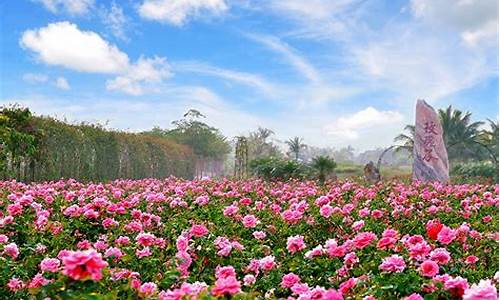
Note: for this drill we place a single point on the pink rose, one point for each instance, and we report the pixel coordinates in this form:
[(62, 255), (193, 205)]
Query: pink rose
[(249, 221), (249, 279), (363, 239), (223, 272), (260, 235), (198, 230), (11, 250), (414, 296), (482, 291), (81, 265), (226, 286), (289, 280), (148, 288), (267, 263), (429, 268), (471, 259), (446, 235), (50, 265), (295, 243), (326, 211), (393, 263), (440, 255)]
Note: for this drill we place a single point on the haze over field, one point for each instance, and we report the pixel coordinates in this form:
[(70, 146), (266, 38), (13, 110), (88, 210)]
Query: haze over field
[(336, 73)]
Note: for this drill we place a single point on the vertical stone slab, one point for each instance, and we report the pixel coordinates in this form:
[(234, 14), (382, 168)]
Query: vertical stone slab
[(430, 158)]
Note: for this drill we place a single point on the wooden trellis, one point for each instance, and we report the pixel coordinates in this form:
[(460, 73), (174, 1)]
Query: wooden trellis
[(241, 158)]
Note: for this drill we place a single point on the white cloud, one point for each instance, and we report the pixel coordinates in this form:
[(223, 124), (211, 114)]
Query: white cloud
[(135, 80), (61, 83), (35, 78), (177, 12), (475, 20), (418, 66), (349, 127), (115, 20), (72, 7), (63, 44)]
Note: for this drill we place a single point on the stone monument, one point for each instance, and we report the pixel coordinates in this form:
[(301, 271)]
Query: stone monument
[(430, 159), (372, 174)]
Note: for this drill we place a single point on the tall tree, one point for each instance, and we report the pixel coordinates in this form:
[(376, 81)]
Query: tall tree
[(488, 138), (295, 145), (259, 145), (208, 143), (459, 133)]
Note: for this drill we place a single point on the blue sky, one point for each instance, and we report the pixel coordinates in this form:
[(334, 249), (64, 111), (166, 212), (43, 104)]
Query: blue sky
[(337, 73)]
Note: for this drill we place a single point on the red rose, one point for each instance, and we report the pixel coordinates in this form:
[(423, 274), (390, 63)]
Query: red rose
[(433, 229)]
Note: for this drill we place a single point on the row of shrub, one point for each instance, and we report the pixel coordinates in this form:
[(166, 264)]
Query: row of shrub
[(89, 152), (483, 171), (272, 168)]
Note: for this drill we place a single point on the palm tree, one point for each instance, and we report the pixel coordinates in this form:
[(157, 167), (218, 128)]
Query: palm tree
[(406, 139), (323, 165), (488, 139), (264, 133), (459, 133), (295, 145)]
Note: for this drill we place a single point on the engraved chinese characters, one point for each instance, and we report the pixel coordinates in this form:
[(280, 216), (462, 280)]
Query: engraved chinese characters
[(430, 159)]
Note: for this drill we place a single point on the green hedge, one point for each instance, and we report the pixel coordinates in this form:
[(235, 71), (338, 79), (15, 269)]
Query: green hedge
[(472, 172), (89, 152)]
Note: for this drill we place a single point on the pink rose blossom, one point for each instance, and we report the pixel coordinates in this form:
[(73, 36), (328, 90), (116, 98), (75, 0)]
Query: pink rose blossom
[(393, 263), (446, 235), (249, 221), (429, 268), (148, 288), (226, 286), (80, 265), (289, 280), (50, 265), (295, 243), (482, 291)]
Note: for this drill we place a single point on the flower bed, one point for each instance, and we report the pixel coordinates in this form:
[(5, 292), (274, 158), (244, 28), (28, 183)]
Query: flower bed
[(248, 239)]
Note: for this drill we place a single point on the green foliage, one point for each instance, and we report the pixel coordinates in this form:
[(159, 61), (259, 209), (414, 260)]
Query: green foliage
[(271, 168), (323, 165), (208, 144), (460, 134), (474, 172), (204, 140), (40, 148), (18, 139)]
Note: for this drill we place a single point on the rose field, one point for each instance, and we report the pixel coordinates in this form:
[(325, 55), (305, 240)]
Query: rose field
[(177, 239)]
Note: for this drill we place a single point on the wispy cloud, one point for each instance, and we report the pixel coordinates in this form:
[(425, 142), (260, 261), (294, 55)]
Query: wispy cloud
[(62, 83), (178, 12), (72, 7), (249, 79), (35, 78), (115, 20), (297, 61)]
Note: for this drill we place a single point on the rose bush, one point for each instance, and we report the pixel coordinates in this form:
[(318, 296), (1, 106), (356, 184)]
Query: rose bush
[(175, 239)]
